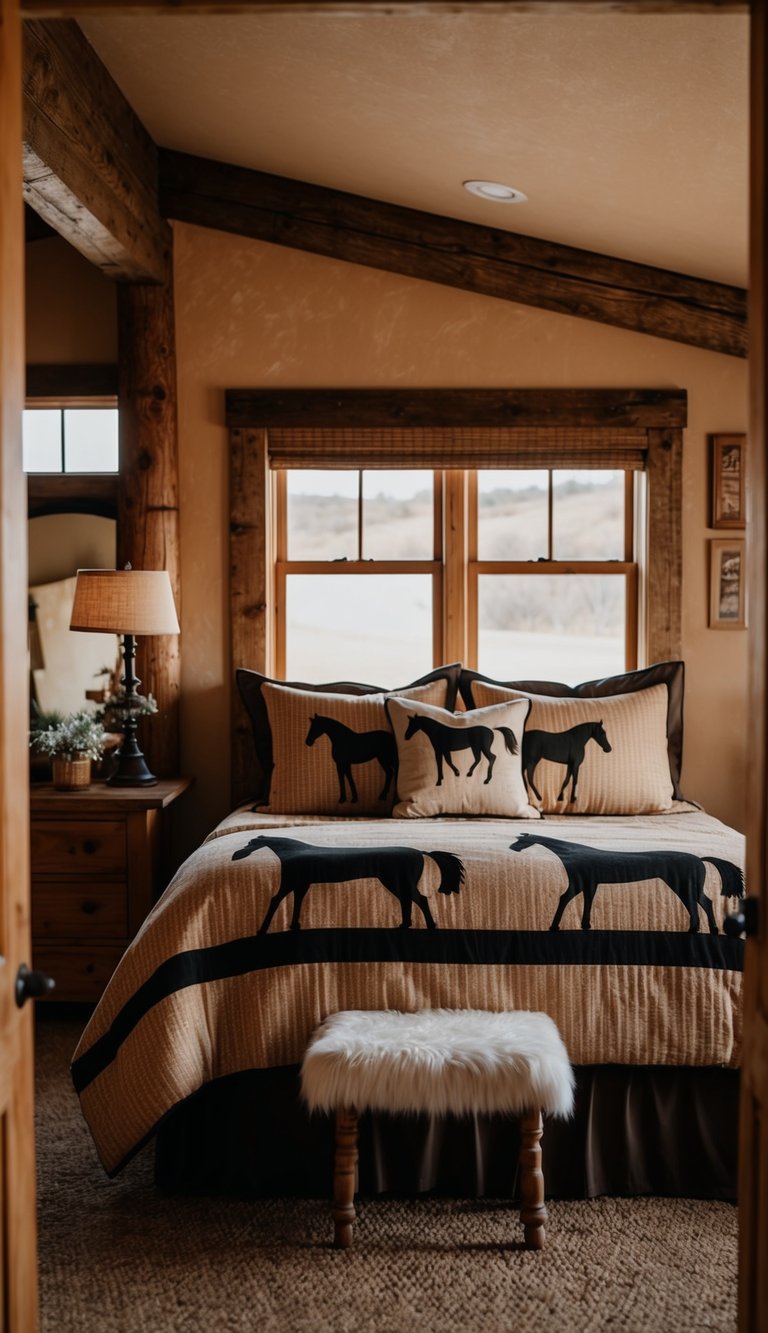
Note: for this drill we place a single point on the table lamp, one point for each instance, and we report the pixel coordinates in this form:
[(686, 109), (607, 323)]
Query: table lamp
[(127, 602)]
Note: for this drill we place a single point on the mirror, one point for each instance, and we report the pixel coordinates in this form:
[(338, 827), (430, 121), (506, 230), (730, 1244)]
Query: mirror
[(65, 665)]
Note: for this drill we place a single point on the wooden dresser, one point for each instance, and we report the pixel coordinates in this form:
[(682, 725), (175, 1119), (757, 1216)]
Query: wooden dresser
[(99, 862)]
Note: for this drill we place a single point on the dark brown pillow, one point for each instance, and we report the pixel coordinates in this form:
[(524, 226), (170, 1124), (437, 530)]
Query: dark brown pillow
[(250, 685), (671, 674)]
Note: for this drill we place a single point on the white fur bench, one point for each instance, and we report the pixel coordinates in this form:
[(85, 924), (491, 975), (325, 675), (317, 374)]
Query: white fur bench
[(439, 1061)]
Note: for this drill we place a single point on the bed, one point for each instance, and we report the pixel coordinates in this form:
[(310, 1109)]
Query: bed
[(466, 870)]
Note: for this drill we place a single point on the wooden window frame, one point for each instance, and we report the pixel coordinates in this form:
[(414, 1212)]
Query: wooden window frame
[(460, 426)]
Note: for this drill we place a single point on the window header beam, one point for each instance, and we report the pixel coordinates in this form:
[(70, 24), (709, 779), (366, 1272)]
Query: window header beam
[(620, 409)]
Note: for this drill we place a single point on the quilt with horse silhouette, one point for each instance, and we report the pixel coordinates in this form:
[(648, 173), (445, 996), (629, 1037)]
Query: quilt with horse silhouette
[(613, 926)]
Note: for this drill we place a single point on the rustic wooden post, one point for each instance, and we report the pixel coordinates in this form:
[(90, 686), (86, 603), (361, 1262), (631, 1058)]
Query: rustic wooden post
[(664, 545), (533, 1212), (148, 527), (250, 570)]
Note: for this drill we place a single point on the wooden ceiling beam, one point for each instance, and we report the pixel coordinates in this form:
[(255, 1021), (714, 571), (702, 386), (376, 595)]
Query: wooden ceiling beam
[(457, 254), (55, 9), (90, 168)]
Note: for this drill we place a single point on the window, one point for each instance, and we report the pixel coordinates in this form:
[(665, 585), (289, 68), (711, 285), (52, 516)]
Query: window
[(70, 440), (358, 573), (532, 573), (462, 437), (552, 573)]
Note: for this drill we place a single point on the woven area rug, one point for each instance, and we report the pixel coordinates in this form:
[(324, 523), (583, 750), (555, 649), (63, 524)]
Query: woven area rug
[(117, 1257)]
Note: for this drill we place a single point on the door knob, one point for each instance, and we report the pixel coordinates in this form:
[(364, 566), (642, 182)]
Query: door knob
[(744, 921), (30, 984)]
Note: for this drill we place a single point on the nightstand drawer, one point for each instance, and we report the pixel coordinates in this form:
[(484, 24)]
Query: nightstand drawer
[(75, 847), (63, 910), (80, 973), (99, 863)]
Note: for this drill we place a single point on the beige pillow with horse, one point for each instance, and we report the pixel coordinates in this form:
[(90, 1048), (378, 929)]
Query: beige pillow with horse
[(334, 754), (459, 763), (594, 756)]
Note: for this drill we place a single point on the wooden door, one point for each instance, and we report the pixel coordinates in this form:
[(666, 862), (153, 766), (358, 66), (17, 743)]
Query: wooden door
[(18, 1267), (753, 1162)]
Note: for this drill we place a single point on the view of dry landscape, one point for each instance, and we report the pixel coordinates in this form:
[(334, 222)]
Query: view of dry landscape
[(569, 627)]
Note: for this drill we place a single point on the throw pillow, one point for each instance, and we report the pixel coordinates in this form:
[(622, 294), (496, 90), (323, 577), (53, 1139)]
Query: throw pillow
[(669, 674), (333, 754), (459, 763), (595, 756), (251, 684)]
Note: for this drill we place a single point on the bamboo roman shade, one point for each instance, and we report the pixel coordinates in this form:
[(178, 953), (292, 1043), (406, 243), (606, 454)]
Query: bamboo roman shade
[(352, 447)]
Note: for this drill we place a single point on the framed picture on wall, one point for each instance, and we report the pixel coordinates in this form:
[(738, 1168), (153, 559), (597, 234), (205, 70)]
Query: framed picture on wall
[(729, 501), (727, 584)]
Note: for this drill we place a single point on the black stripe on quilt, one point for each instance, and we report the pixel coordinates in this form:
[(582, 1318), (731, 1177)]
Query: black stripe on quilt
[(254, 953)]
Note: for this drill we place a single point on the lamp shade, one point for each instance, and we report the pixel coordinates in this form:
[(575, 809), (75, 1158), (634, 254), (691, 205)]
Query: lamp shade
[(124, 601)]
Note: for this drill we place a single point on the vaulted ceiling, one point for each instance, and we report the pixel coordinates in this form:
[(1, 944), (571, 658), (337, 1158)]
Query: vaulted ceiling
[(628, 132), (350, 135)]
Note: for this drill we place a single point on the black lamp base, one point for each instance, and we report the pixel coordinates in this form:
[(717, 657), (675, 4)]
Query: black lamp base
[(131, 771)]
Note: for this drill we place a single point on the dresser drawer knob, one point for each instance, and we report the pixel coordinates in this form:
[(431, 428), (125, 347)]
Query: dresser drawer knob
[(89, 907), (90, 846)]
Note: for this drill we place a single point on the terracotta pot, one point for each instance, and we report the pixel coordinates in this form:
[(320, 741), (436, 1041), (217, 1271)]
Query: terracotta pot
[(71, 774)]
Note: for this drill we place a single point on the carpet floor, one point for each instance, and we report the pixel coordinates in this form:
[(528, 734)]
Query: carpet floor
[(118, 1257)]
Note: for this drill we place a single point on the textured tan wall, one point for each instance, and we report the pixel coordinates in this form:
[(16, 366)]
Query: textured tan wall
[(253, 315)]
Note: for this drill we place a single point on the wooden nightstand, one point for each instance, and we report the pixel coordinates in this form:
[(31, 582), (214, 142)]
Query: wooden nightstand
[(99, 862)]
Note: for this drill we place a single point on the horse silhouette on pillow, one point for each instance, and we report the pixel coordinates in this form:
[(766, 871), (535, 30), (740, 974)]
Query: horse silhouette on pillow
[(350, 747), (398, 869), (682, 872), (444, 740), (561, 747)]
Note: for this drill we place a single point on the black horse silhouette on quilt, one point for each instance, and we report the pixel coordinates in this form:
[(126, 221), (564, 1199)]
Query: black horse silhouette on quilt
[(561, 747), (682, 872), (399, 869), (350, 747), (446, 739)]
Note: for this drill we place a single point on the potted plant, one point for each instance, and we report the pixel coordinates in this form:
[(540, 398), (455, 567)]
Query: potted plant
[(71, 744)]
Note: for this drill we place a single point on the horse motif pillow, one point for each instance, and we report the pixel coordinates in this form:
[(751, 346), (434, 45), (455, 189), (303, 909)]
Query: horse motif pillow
[(460, 763), (669, 674), (594, 756), (334, 754), (251, 685)]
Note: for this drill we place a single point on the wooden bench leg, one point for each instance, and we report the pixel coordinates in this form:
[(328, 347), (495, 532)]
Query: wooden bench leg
[(533, 1213), (344, 1177)]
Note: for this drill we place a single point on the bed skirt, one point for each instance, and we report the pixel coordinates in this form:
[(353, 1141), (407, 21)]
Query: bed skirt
[(658, 1130)]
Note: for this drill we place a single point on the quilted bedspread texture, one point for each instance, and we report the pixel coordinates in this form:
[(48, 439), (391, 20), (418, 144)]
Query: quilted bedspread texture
[(611, 925)]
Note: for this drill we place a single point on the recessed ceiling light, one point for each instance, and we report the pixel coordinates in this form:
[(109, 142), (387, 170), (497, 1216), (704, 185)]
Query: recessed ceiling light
[(496, 193)]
